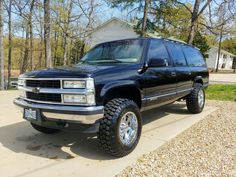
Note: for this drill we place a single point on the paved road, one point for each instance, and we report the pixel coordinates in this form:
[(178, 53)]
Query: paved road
[(223, 78), (25, 152)]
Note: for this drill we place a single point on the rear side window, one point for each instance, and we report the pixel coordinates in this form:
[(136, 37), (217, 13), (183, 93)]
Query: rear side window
[(176, 54), (157, 50), (193, 56)]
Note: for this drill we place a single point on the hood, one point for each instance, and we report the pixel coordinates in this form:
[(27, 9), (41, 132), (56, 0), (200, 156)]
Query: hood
[(79, 71)]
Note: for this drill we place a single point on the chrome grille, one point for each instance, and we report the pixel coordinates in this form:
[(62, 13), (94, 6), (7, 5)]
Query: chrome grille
[(50, 90)]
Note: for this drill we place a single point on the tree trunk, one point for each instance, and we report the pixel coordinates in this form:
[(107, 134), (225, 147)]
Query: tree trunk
[(55, 60), (219, 49), (10, 42), (1, 48), (31, 35), (22, 49), (40, 64), (25, 61), (47, 33), (41, 49), (194, 18), (195, 15), (144, 21), (65, 50), (82, 50), (66, 32)]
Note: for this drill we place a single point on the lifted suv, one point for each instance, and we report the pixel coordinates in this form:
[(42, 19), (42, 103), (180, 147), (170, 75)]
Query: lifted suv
[(111, 85)]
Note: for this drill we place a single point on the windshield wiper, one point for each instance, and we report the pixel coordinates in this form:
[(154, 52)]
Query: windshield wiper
[(103, 60)]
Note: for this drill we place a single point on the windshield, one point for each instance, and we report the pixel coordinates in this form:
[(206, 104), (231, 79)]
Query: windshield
[(125, 51)]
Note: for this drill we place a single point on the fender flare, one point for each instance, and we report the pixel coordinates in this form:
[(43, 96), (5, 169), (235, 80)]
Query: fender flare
[(197, 78), (116, 84)]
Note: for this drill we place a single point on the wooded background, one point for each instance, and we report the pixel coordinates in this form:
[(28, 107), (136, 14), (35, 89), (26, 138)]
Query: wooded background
[(36, 34)]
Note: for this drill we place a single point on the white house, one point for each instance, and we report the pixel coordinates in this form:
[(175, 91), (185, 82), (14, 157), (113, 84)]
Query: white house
[(226, 60), (113, 29)]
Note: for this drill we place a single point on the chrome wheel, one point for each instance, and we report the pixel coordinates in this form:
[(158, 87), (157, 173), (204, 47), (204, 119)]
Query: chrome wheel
[(128, 128), (201, 98)]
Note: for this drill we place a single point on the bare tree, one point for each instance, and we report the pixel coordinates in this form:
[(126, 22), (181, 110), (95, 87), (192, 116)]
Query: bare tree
[(144, 20), (32, 3), (219, 47), (47, 33), (22, 10), (41, 26), (38, 17), (224, 14), (89, 13), (196, 12), (1, 48), (66, 31), (8, 8)]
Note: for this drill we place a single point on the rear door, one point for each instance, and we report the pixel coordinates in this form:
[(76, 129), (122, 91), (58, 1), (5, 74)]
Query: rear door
[(183, 72), (160, 82), (197, 64)]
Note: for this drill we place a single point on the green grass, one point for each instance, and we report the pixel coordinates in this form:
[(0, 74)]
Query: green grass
[(221, 92)]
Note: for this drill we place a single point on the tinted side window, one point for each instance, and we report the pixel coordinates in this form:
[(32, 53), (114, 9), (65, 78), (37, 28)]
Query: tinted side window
[(157, 50), (176, 54), (193, 56)]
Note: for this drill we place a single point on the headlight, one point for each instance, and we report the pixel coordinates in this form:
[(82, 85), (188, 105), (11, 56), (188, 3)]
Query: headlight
[(79, 99), (21, 82), (80, 84), (74, 84), (75, 99)]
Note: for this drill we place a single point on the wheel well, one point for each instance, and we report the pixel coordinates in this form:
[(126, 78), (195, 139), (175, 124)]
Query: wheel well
[(130, 92), (199, 81)]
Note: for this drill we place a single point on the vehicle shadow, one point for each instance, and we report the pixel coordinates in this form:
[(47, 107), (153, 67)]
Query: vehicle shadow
[(22, 138)]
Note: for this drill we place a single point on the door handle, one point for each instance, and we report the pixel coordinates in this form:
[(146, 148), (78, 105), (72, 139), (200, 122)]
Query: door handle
[(173, 73)]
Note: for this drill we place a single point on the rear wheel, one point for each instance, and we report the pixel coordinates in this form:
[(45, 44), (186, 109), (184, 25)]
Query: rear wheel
[(120, 129), (196, 99), (44, 129)]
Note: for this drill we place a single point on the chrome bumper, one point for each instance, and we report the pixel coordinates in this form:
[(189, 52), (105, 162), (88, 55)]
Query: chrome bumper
[(85, 115)]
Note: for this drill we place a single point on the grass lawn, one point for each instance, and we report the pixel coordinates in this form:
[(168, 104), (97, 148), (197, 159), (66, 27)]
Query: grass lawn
[(221, 92)]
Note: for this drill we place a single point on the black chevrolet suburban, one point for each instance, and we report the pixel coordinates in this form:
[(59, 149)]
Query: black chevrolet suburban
[(110, 87)]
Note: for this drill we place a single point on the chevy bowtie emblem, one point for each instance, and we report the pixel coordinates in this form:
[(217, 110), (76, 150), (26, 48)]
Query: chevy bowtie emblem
[(36, 90)]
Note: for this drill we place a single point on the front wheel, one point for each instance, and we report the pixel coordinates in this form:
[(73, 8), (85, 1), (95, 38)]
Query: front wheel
[(196, 99), (121, 127)]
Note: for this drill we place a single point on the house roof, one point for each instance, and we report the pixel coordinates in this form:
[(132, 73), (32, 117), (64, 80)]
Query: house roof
[(224, 51), (131, 25)]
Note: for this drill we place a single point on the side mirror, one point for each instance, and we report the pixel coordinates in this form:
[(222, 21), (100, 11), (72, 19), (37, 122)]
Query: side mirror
[(157, 62)]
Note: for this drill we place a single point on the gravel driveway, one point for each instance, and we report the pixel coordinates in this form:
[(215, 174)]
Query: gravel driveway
[(206, 149)]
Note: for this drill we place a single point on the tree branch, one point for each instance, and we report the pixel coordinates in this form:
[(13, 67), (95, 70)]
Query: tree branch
[(184, 5)]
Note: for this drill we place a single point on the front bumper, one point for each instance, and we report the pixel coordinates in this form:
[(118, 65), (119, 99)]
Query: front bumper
[(73, 114)]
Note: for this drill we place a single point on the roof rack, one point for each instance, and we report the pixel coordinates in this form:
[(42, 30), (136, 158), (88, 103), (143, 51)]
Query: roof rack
[(175, 40), (180, 41), (154, 35)]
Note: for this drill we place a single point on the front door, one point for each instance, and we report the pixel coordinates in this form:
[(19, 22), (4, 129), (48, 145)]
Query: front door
[(160, 82)]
